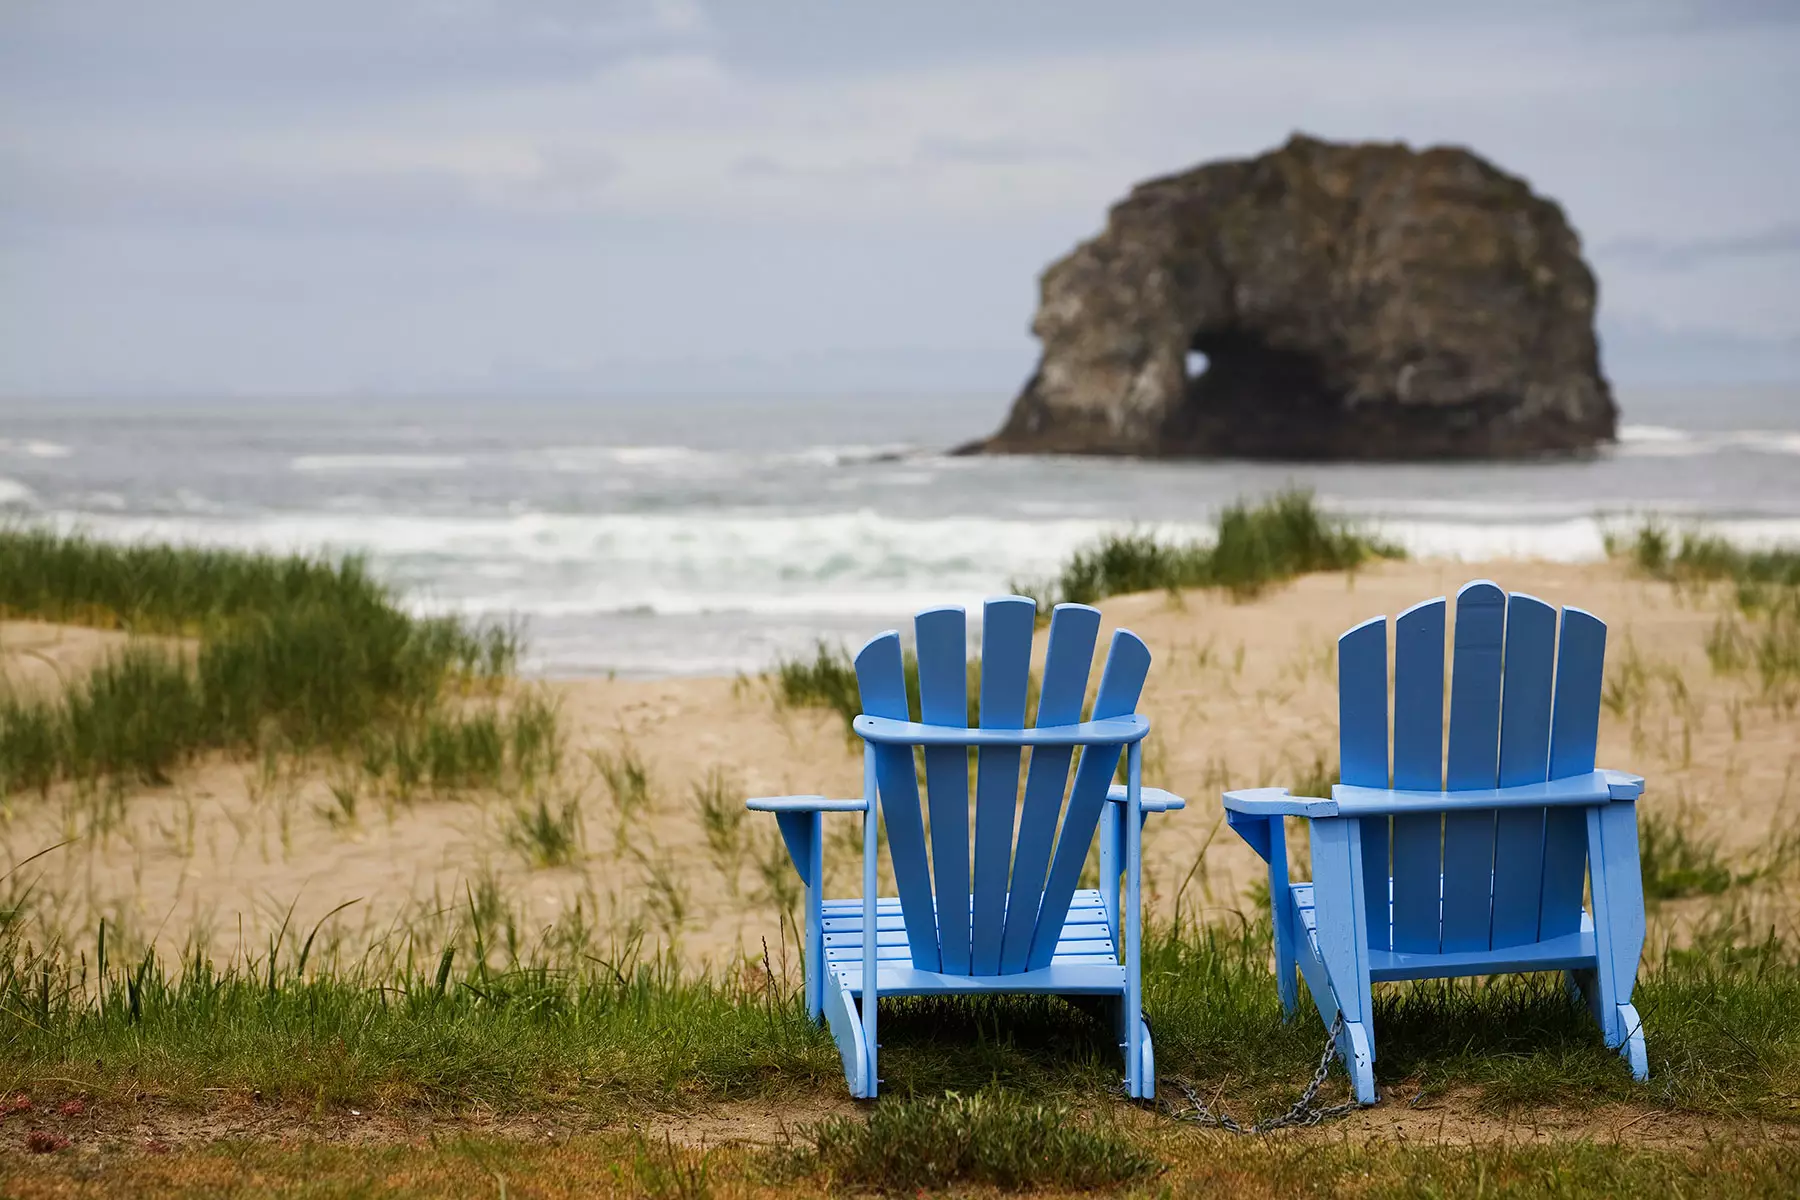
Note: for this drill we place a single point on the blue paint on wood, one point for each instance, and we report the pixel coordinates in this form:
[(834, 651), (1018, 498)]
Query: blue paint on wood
[(1006, 628), (882, 680), (847, 1032), (1418, 766), (1074, 629), (1506, 738), (1574, 732), (1342, 930), (1592, 788), (1114, 731), (1071, 941), (1530, 666), (1363, 750), (1127, 663), (943, 647), (1472, 761), (1362, 704), (1618, 921)]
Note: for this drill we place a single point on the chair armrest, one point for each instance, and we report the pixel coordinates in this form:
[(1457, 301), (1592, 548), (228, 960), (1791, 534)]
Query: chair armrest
[(1149, 799), (1109, 731), (1277, 802), (1596, 787), (803, 804), (1623, 784)]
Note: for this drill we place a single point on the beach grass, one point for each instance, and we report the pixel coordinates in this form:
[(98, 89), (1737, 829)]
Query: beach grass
[(294, 653), (505, 1016), (1253, 547), (994, 1138), (1764, 633), (1695, 554)]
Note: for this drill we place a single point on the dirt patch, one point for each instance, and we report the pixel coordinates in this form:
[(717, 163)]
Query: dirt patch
[(1454, 1119), (154, 1127)]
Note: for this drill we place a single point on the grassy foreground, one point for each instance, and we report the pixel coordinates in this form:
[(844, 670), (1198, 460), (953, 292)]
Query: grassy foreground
[(508, 1023), (1008, 1094), (290, 654)]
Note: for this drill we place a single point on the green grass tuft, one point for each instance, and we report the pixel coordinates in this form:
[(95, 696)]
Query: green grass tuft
[(1676, 861), (1255, 546), (994, 1138), (294, 654), (1694, 555), (546, 836)]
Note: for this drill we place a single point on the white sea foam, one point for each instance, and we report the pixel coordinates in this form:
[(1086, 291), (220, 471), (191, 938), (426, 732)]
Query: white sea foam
[(1661, 441), (747, 561), (33, 448), (690, 459), (378, 462)]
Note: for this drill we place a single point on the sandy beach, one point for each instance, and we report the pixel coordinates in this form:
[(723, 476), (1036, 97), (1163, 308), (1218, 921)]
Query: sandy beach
[(1240, 694)]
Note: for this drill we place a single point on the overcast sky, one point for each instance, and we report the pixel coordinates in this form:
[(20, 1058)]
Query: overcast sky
[(409, 195)]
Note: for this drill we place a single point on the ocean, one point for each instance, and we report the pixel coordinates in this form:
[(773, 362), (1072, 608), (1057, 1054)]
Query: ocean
[(667, 535)]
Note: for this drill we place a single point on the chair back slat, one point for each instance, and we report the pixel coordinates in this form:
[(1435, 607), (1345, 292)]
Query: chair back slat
[(1418, 766), (942, 638), (1472, 761), (1363, 704), (1074, 628), (1122, 680), (1524, 708), (1574, 731), (1530, 666), (1006, 628), (881, 678), (1363, 751)]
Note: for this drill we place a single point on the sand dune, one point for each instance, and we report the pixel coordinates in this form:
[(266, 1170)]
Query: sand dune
[(1240, 694)]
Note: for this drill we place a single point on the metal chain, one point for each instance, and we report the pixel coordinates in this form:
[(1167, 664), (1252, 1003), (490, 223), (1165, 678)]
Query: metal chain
[(1304, 1111)]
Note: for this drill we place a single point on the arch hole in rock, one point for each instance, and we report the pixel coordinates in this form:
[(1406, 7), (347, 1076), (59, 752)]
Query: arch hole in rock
[(1245, 396)]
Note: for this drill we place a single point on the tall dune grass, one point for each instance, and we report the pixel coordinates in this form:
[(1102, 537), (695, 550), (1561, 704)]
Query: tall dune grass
[(1695, 555), (1766, 590), (1255, 546), (297, 653)]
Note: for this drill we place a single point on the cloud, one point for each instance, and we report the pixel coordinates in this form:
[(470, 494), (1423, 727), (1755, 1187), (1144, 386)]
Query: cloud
[(791, 173), (1684, 254)]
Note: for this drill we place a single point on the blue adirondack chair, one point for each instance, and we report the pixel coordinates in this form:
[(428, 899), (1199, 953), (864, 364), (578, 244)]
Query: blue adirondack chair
[(1017, 922), (1470, 861)]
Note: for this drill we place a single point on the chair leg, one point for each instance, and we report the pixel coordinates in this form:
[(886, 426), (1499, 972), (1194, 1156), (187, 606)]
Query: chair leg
[(1136, 1036), (1618, 891), (813, 956), (1284, 919), (1357, 1048), (1343, 939)]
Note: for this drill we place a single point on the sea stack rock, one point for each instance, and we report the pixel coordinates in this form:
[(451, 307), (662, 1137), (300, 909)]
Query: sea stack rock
[(1360, 301)]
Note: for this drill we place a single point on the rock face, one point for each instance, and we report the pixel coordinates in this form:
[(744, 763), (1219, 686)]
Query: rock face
[(1350, 301)]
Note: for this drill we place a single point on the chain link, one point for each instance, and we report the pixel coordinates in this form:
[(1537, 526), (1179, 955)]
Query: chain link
[(1304, 1111)]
